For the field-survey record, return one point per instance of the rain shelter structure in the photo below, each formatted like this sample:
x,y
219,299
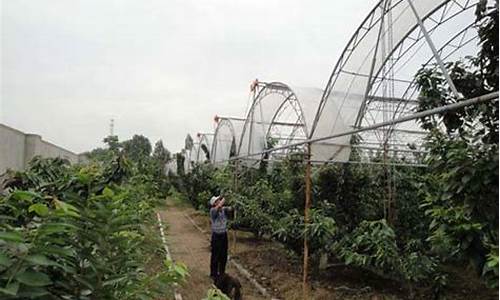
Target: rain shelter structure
x,y
279,115
373,81
171,167
188,157
226,137
370,100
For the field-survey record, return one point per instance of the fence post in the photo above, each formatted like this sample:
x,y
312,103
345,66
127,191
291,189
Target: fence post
x,y
306,220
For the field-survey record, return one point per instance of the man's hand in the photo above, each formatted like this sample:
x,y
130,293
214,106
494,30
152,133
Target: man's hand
x,y
220,203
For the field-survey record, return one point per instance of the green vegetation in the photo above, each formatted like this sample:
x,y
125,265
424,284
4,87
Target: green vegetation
x,y
215,294
86,232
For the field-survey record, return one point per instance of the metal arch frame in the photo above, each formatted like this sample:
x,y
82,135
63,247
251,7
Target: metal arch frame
x,y
448,107
346,53
405,99
301,121
197,148
399,50
402,105
410,89
368,23
223,122
401,53
411,86
266,89
420,35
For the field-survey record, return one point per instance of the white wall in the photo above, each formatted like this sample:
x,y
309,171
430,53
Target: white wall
x,y
12,143
18,148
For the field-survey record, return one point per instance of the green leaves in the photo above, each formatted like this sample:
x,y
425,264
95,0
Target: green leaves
x,y
215,294
80,233
11,236
25,196
40,209
40,259
10,289
5,261
33,278
107,192
462,199
65,208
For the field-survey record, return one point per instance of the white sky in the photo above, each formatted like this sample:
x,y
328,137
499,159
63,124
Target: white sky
x,y
161,68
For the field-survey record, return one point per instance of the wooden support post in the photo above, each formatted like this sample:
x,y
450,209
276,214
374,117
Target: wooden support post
x,y
307,205
235,190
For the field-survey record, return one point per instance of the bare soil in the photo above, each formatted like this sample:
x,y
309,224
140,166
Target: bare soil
x,y
280,271
188,245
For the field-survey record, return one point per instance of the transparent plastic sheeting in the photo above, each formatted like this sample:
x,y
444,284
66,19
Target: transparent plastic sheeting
x,y
171,167
258,121
187,159
454,37
337,149
275,113
368,56
379,63
298,106
227,132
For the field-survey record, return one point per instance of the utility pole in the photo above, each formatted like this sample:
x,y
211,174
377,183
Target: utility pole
x,y
112,127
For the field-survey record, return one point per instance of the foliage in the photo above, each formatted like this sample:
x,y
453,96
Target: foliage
x,y
461,194
215,294
80,233
188,143
160,158
113,144
137,148
372,245
272,205
139,156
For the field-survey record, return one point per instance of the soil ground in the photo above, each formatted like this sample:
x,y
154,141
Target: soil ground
x,y
280,272
188,245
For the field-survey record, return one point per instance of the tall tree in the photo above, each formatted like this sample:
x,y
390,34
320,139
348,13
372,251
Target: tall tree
x,y
112,142
188,142
161,156
137,149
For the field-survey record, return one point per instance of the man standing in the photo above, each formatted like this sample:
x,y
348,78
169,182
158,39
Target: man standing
x,y
218,244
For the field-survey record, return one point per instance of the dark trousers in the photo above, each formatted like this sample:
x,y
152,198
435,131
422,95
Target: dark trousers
x,y
218,258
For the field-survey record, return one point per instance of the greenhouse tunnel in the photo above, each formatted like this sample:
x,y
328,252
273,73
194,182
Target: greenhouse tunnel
x,y
373,81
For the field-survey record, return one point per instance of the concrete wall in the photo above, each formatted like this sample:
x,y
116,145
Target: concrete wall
x,y
12,143
18,148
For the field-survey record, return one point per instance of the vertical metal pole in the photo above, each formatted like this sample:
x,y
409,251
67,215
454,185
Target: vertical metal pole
x,y
374,59
434,51
307,205
252,107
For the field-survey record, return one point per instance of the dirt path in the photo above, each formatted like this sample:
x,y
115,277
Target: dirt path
x,y
188,245
279,272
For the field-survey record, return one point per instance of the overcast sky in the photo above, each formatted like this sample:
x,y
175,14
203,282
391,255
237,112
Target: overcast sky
x,y
161,68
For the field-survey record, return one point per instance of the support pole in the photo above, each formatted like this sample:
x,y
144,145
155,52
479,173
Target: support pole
x,y
434,51
306,220
374,60
235,189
